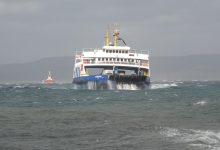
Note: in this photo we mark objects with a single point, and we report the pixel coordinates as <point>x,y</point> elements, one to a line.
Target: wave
<point>163,85</point>
<point>89,86</point>
<point>206,139</point>
<point>13,86</point>
<point>201,103</point>
<point>99,98</point>
<point>127,87</point>
<point>33,86</point>
<point>108,86</point>
<point>19,87</point>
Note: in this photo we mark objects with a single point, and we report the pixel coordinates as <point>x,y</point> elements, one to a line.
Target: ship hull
<point>48,81</point>
<point>111,81</point>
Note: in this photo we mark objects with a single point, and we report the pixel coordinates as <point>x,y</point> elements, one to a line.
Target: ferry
<point>49,79</point>
<point>112,65</point>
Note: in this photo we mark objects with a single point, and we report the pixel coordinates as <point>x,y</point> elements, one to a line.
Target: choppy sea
<point>165,116</point>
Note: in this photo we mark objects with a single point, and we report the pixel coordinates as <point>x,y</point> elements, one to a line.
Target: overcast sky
<point>35,29</point>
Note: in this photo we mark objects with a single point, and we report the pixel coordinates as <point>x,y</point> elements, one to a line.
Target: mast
<point>116,34</point>
<point>49,74</point>
<point>107,38</point>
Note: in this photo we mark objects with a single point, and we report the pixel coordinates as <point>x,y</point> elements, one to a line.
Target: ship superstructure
<point>112,64</point>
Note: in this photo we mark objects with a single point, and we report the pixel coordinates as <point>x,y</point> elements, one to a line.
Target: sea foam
<point>207,139</point>
<point>127,87</point>
<point>201,103</point>
<point>163,85</point>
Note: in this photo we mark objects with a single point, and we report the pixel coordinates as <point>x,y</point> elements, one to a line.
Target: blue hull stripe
<point>91,78</point>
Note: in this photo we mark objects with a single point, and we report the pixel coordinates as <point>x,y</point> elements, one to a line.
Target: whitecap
<point>170,132</point>
<point>127,87</point>
<point>99,98</point>
<point>18,87</point>
<point>75,100</point>
<point>200,85</point>
<point>162,86</point>
<point>202,103</point>
<point>198,138</point>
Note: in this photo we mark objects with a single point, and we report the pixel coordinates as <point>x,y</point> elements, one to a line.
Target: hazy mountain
<point>61,68</point>
<point>193,67</point>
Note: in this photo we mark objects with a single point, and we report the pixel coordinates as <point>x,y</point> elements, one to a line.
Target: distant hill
<point>61,68</point>
<point>193,67</point>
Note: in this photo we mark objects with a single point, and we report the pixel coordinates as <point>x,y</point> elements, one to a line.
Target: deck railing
<point>132,51</point>
<point>115,62</point>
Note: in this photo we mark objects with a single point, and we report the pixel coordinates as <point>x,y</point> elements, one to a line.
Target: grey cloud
<point>33,29</point>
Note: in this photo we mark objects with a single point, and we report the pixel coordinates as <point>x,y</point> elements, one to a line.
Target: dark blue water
<point>165,116</point>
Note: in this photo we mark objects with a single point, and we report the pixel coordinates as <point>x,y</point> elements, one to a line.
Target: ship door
<point>145,73</point>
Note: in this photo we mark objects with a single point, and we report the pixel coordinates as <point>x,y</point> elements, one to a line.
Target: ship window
<point>106,51</point>
<point>106,59</point>
<point>126,52</point>
<point>102,59</point>
<point>117,59</point>
<point>99,59</point>
<point>125,59</point>
<point>116,51</point>
<point>119,51</point>
<point>110,51</point>
<point>132,60</point>
<point>144,61</point>
<point>122,51</point>
<point>110,59</point>
<point>85,61</point>
<point>103,50</point>
<point>78,60</point>
<point>121,59</point>
<point>113,51</point>
<point>113,59</point>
